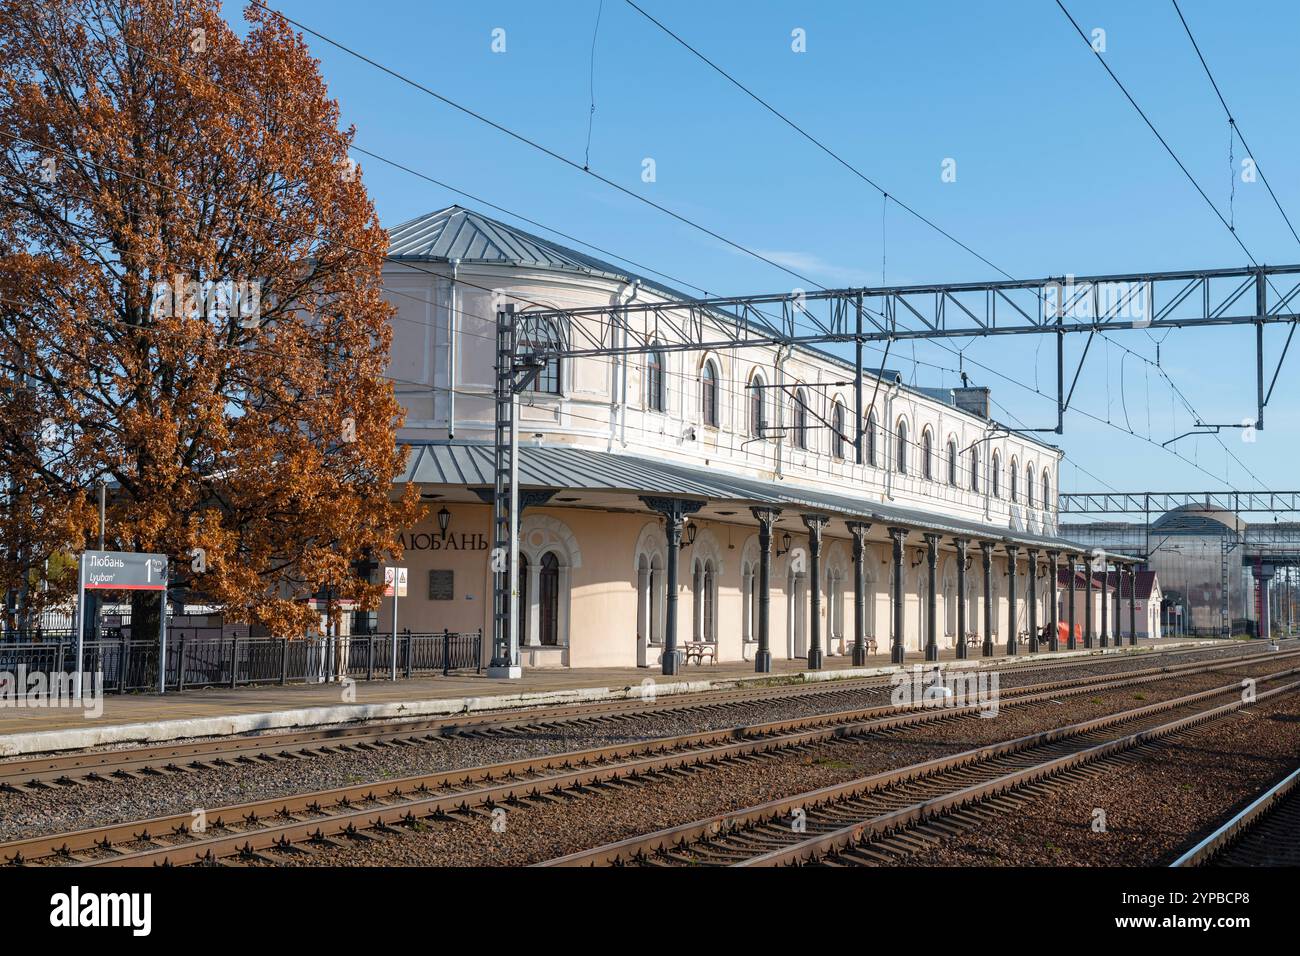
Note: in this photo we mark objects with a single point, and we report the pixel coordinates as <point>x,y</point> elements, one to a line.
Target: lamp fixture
<point>444,520</point>
<point>785,541</point>
<point>691,530</point>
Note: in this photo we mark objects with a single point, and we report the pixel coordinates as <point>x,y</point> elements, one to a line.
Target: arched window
<point>837,430</point>
<point>757,408</point>
<point>704,585</point>
<point>548,601</point>
<point>1047,491</point>
<point>709,394</point>
<point>1015,480</point>
<point>952,463</point>
<point>654,381</point>
<point>522,609</point>
<point>995,476</point>
<point>871,439</point>
<point>975,469</point>
<point>1029,486</point>
<point>900,455</point>
<point>799,419</point>
<point>927,449</point>
<point>710,603</point>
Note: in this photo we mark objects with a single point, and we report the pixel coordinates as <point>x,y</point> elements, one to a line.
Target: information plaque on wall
<point>442,586</point>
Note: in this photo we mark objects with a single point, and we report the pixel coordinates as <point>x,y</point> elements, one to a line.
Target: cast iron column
<point>932,604</point>
<point>987,548</point>
<point>1012,550</point>
<point>1070,641</point>
<point>1087,606</point>
<point>1132,605</point>
<point>766,517</point>
<point>1032,555</point>
<point>815,524</point>
<point>859,531</point>
<point>675,511</point>
<point>961,544</point>
<point>1054,616</point>
<point>897,652</point>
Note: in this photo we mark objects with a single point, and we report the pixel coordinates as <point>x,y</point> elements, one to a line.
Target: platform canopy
<point>569,469</point>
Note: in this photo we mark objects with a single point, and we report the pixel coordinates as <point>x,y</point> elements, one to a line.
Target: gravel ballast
<point>540,832</point>
<point>113,801</point>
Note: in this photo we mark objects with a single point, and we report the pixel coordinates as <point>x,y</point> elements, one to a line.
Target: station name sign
<point>420,541</point>
<point>123,570</point>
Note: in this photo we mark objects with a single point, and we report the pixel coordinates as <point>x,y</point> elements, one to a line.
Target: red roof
<point>1146,582</point>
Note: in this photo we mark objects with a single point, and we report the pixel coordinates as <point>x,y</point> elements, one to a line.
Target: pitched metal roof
<point>460,233</point>
<point>569,468</point>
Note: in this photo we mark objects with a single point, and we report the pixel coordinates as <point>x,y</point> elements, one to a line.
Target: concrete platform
<point>222,711</point>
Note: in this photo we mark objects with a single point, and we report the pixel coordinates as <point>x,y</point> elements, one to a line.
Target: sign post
<point>120,571</point>
<point>394,587</point>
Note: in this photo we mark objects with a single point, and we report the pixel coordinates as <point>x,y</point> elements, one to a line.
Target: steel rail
<point>681,839</point>
<point>69,769</point>
<point>595,768</point>
<point>1241,823</point>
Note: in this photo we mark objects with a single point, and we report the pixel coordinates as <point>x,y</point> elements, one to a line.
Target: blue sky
<point>1056,173</point>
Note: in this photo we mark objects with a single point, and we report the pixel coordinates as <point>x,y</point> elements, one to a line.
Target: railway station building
<point>751,448</point>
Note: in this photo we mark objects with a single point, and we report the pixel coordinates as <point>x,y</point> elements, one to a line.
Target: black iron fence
<point>201,661</point>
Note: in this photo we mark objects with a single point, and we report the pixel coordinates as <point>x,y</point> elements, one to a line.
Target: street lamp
<point>444,519</point>
<point>785,545</point>
<point>691,531</point>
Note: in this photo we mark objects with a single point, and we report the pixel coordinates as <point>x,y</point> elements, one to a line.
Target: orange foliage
<point>142,140</point>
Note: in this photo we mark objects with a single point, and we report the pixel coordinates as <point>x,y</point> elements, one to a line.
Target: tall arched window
<point>1015,480</point>
<point>900,453</point>
<point>975,469</point>
<point>871,438</point>
<point>799,418</point>
<point>704,585</point>
<point>709,394</point>
<point>548,601</point>
<point>1047,491</point>
<point>710,602</point>
<point>837,430</point>
<point>1029,486</point>
<point>757,408</point>
<point>927,453</point>
<point>522,608</point>
<point>654,381</point>
<point>952,463</point>
<point>995,475</point>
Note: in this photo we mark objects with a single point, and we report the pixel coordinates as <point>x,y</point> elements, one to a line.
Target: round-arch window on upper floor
<point>709,394</point>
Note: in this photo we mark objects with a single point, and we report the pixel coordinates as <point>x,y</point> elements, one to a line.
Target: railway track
<point>885,817</point>
<point>247,832</point>
<point>92,766</point>
<point>1265,833</point>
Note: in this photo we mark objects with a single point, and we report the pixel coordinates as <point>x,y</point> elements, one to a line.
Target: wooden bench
<point>698,650</point>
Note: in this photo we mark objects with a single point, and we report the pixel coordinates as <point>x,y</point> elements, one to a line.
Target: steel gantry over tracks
<point>1057,305</point>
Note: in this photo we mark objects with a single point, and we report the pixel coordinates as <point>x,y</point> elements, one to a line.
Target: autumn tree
<point>190,307</point>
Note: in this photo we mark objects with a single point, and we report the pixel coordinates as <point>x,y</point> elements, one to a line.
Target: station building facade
<point>744,436</point>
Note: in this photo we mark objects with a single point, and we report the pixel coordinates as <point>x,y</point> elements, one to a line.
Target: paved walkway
<point>203,712</point>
